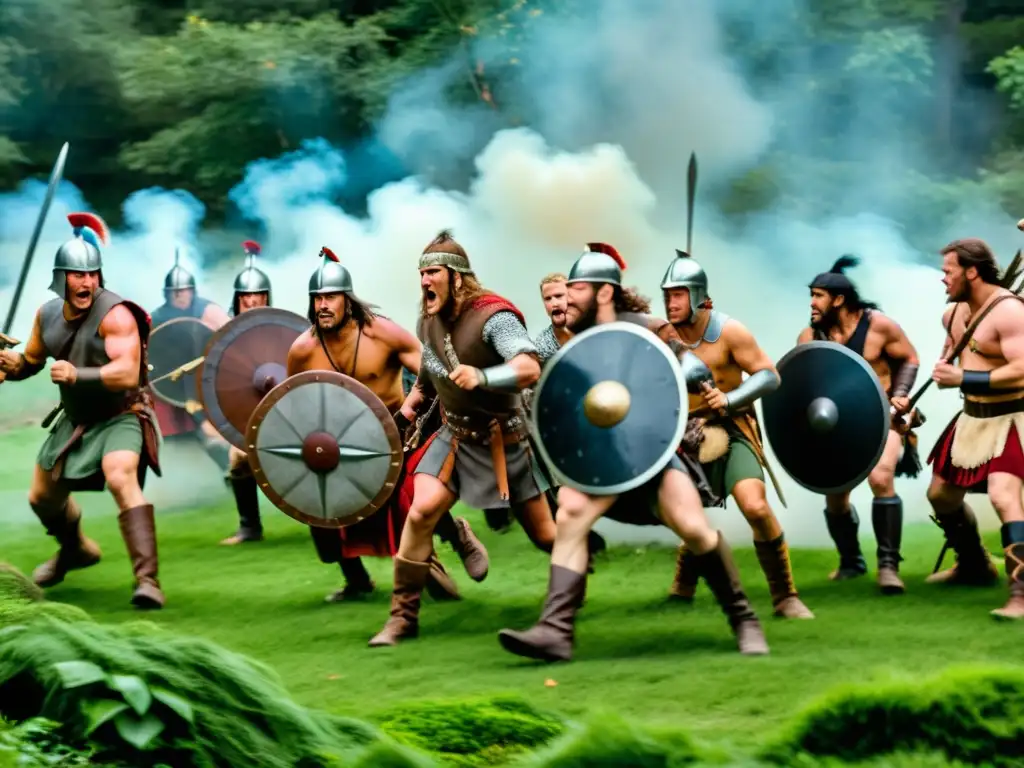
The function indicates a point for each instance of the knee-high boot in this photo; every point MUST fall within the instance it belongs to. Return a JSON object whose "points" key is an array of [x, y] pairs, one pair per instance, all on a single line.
{"points": [[247, 501], [138, 528], [973, 566], [684, 585], [1013, 549], [64, 523], [778, 571], [551, 638], [719, 571], [404, 621], [887, 520], [843, 528]]}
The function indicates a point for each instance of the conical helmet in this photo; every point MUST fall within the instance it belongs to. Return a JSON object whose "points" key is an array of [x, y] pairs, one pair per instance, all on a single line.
{"points": [[251, 279], [179, 278], [600, 263], [330, 276], [685, 272], [82, 252]]}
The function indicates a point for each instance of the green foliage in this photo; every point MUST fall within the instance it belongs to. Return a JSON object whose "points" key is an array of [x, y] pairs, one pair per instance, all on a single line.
{"points": [[38, 743], [21, 601], [14, 585], [973, 715], [474, 732], [1009, 70]]}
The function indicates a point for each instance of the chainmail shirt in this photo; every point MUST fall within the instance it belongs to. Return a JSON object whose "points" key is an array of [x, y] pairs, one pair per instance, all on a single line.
{"points": [[503, 331]]}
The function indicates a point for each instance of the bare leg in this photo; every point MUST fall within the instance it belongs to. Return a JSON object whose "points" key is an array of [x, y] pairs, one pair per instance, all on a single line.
{"points": [[1004, 490], [62, 518], [138, 526]]}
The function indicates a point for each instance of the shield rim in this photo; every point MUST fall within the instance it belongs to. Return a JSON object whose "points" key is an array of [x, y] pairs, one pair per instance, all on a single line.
{"points": [[206, 392], [360, 390], [198, 372], [684, 410], [886, 414]]}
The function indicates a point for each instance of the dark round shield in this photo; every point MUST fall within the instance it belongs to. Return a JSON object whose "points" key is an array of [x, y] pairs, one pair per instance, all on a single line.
{"points": [[828, 421], [172, 345], [324, 449], [610, 409], [246, 359]]}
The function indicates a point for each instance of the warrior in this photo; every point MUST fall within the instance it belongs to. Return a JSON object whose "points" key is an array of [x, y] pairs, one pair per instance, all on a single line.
{"points": [[181, 300], [839, 314], [477, 357], [731, 450], [251, 290], [671, 498], [348, 336], [981, 450], [105, 434], [553, 292]]}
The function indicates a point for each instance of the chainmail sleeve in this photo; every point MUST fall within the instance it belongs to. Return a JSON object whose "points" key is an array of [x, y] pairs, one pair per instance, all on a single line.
{"points": [[508, 336], [546, 344]]}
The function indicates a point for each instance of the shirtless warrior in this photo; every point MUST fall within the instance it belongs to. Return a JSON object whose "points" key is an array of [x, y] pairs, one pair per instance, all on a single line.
{"points": [[731, 450], [348, 337], [477, 357], [839, 314], [106, 434], [981, 449], [672, 498], [181, 300], [251, 290]]}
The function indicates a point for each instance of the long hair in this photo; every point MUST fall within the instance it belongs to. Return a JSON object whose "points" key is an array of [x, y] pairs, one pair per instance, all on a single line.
{"points": [[852, 300], [974, 252], [630, 300], [460, 297], [361, 311]]}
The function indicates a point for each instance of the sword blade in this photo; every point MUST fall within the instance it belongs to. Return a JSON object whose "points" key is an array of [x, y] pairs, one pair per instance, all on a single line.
{"points": [[691, 196], [51, 190]]}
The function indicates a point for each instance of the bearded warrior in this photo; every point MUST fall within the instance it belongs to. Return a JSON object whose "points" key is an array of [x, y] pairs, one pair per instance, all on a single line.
{"points": [[841, 315], [671, 498], [477, 357], [251, 290], [182, 300], [731, 450], [105, 433], [349, 337], [981, 450]]}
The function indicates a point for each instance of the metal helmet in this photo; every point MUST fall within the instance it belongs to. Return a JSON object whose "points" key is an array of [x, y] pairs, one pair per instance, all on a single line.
{"points": [[600, 263], [179, 278], [330, 276], [82, 252], [685, 272], [251, 279]]}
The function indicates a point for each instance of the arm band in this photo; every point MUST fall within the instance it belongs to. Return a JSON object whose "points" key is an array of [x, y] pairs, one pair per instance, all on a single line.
{"points": [[755, 386], [904, 380], [501, 377], [976, 382], [25, 370], [89, 378]]}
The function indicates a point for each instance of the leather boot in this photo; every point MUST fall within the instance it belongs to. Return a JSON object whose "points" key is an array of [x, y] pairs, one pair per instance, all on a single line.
{"points": [[404, 624], [551, 638], [719, 571], [470, 550], [595, 546], [75, 552], [774, 559], [684, 585], [887, 520], [138, 528], [358, 583], [1013, 547], [973, 566], [440, 585], [499, 520], [843, 528], [247, 501]]}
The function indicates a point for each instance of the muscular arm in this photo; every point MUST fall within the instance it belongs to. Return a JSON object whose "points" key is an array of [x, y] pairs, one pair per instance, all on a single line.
{"points": [[298, 354], [899, 349], [762, 377], [31, 361], [1008, 319], [509, 339], [806, 335], [214, 317], [947, 344], [402, 343], [120, 334]]}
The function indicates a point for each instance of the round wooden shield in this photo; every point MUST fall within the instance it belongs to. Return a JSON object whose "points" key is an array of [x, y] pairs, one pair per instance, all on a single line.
{"points": [[172, 345], [324, 449]]}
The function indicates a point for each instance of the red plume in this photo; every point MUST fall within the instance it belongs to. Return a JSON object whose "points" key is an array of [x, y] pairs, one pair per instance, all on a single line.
{"points": [[251, 246], [608, 251], [93, 222], [328, 253]]}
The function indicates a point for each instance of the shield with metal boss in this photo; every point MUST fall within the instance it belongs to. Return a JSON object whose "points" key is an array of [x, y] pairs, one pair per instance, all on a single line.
{"points": [[828, 422], [610, 409], [324, 449], [245, 359], [175, 360]]}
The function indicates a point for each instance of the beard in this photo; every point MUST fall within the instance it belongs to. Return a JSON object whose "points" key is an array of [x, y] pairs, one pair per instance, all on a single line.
{"points": [[962, 294], [587, 318], [827, 321]]}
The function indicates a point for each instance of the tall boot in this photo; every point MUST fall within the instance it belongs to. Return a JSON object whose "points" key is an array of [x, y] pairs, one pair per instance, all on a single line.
{"points": [[440, 585], [404, 621], [247, 501], [973, 566], [76, 550], [887, 520], [719, 571], [595, 546], [499, 520], [843, 528], [774, 559], [458, 533], [1013, 548], [358, 583], [684, 585], [138, 529], [551, 638]]}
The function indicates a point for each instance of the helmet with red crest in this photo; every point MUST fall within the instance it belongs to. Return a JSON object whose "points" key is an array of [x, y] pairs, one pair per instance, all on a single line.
{"points": [[600, 263], [82, 252], [330, 276], [251, 279]]}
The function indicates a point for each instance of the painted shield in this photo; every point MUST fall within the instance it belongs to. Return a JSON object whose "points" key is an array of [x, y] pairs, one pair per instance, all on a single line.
{"points": [[245, 359], [324, 449], [828, 421], [610, 409], [172, 345]]}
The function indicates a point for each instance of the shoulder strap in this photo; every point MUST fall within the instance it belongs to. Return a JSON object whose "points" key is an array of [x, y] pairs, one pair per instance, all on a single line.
{"points": [[973, 326]]}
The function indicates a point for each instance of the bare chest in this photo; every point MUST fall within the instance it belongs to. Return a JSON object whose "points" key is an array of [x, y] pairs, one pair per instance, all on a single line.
{"points": [[370, 362]]}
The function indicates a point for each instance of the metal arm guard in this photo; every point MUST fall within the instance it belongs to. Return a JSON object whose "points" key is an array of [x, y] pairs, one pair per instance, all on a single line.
{"points": [[904, 380], [25, 370], [500, 377], [755, 386]]}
